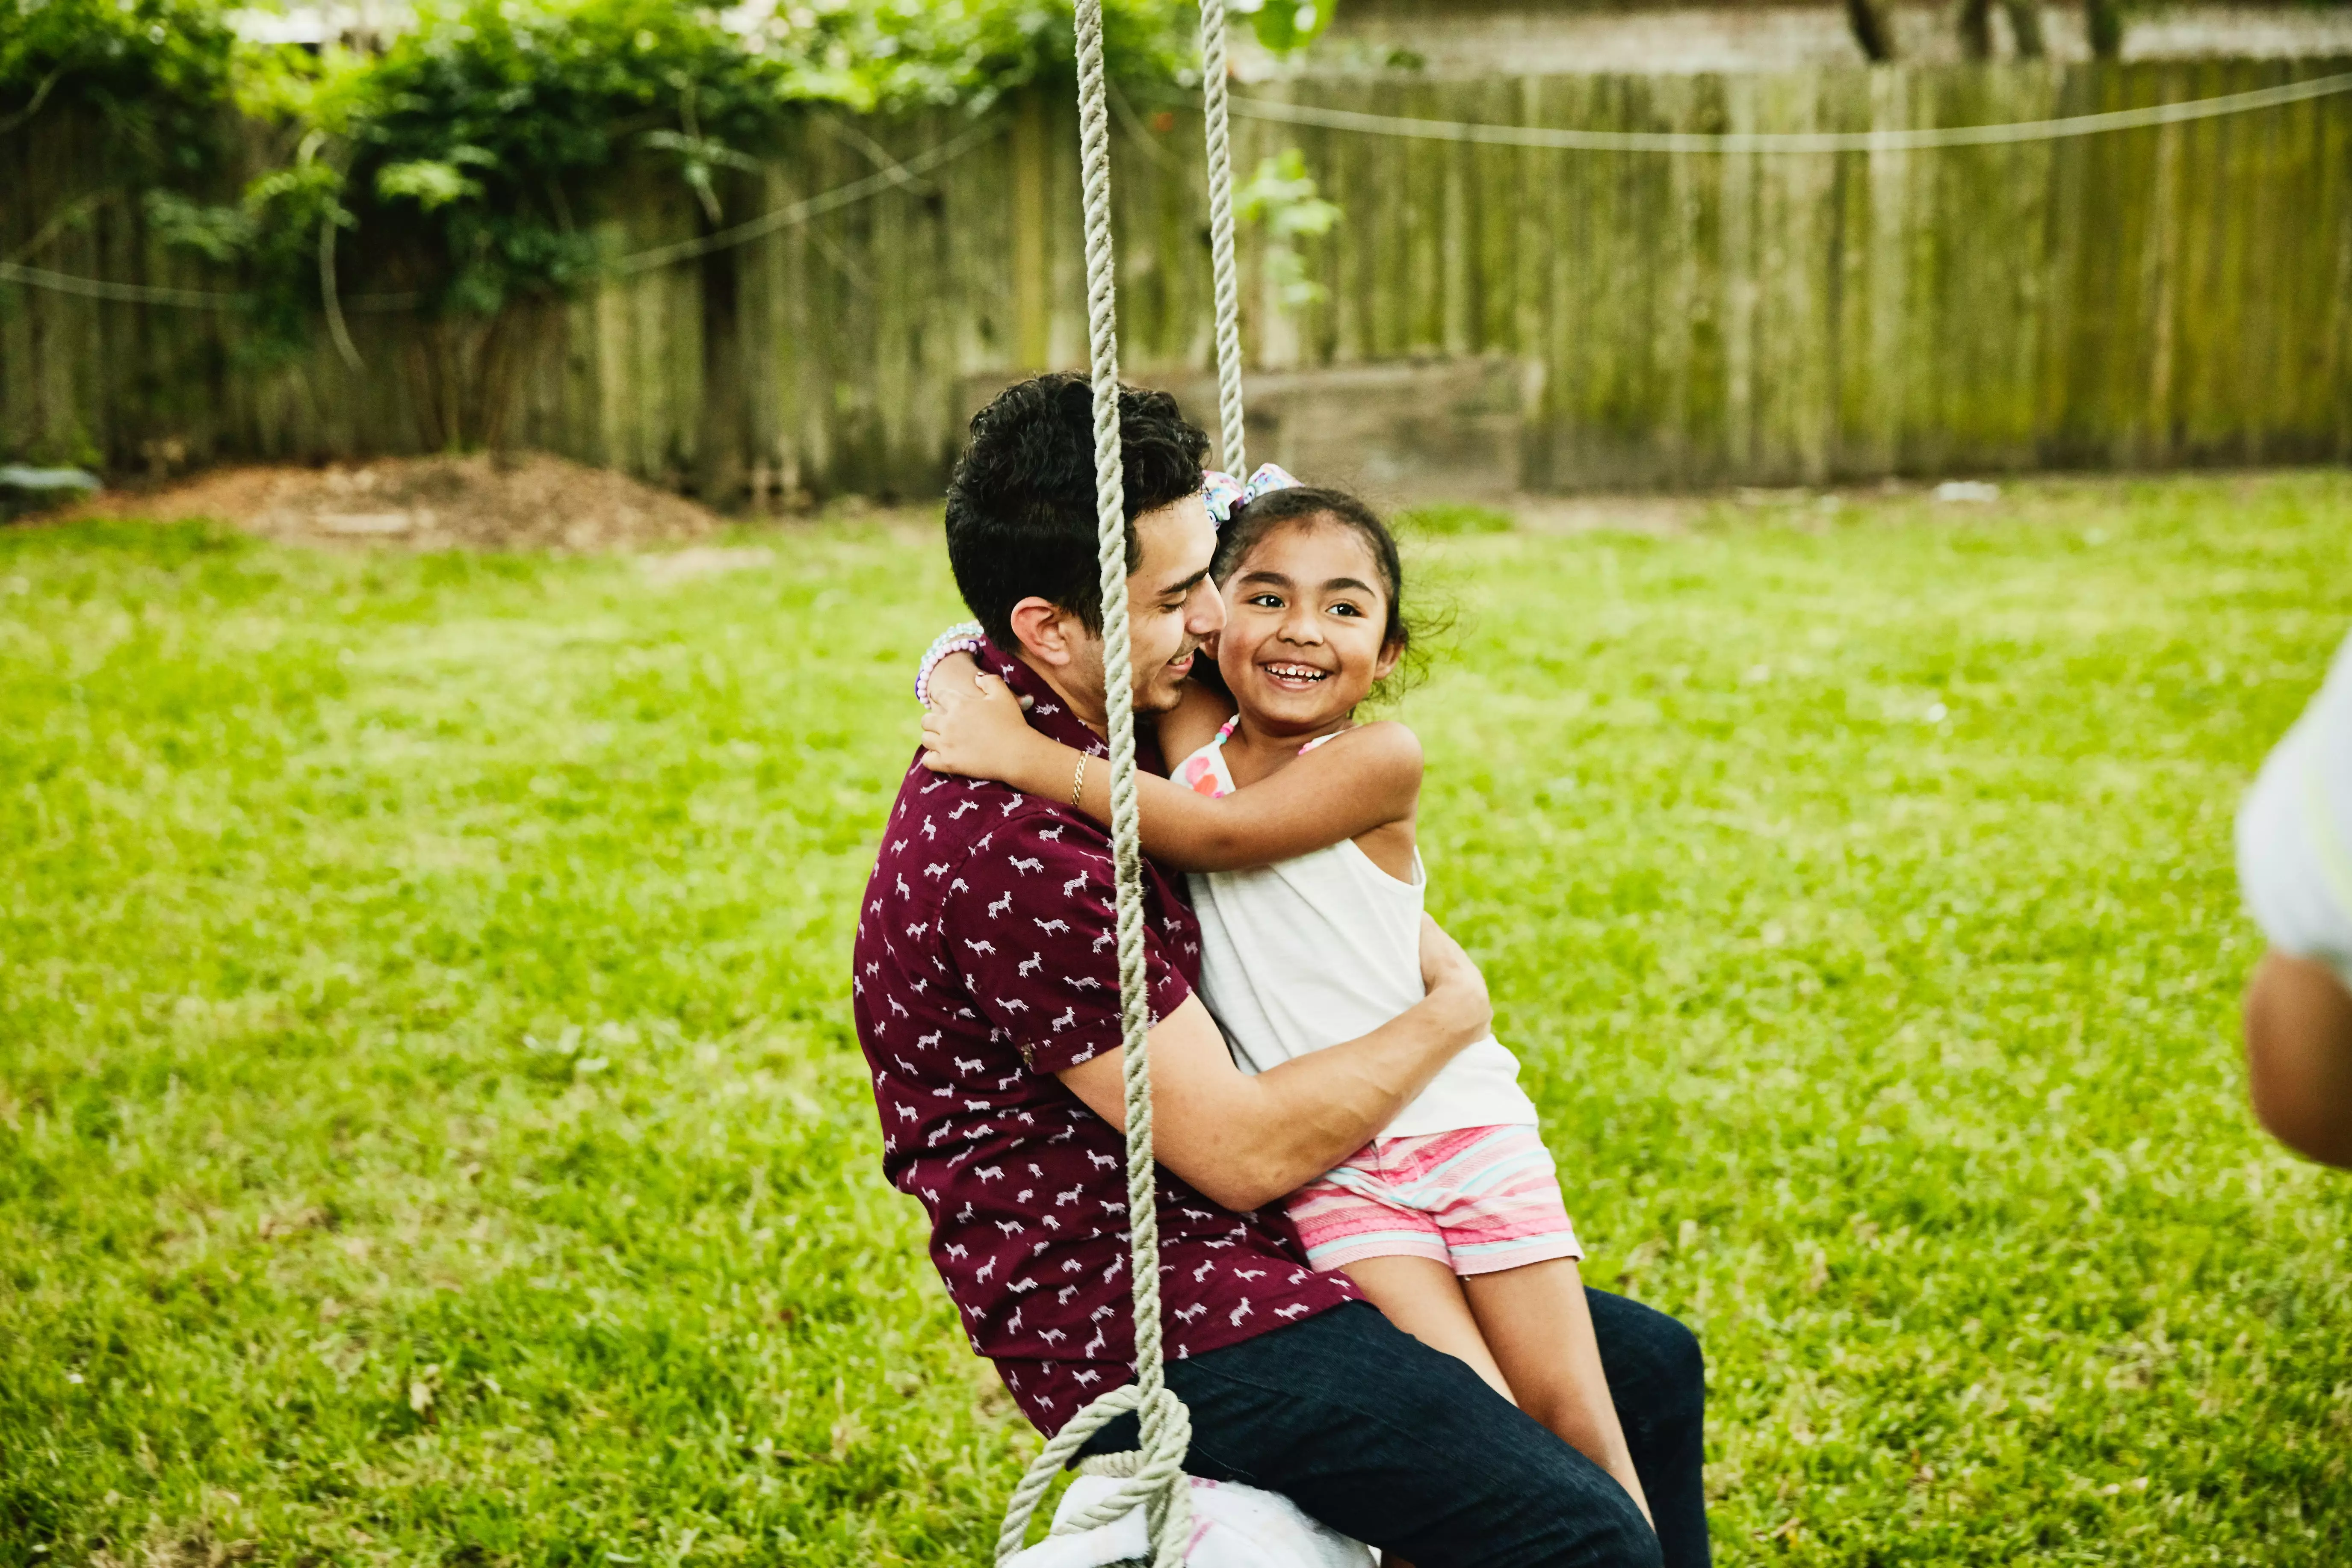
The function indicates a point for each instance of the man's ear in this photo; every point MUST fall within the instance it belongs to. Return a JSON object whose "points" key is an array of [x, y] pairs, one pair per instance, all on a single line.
{"points": [[1046, 632]]}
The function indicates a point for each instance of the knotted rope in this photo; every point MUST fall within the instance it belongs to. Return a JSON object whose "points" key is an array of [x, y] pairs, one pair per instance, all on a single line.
{"points": [[1153, 1476], [1221, 238]]}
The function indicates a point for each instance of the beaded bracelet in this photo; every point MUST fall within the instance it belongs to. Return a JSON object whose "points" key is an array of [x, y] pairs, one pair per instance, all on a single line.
{"points": [[962, 637]]}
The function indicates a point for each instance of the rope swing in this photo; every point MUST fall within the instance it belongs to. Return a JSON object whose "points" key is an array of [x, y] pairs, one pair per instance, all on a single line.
{"points": [[1151, 1477]]}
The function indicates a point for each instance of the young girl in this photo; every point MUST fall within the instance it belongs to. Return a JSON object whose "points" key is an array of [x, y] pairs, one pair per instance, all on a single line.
{"points": [[1296, 823]]}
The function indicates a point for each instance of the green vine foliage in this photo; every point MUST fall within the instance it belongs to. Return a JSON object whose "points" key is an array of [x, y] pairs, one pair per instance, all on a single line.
{"points": [[1281, 197], [454, 166], [1285, 26], [477, 139], [158, 73], [886, 55], [473, 143]]}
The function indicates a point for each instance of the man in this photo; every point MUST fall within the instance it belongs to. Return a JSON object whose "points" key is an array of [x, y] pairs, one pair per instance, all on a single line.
{"points": [[986, 999]]}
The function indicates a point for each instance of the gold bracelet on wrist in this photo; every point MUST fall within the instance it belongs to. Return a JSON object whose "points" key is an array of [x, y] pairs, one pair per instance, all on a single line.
{"points": [[1078, 782]]}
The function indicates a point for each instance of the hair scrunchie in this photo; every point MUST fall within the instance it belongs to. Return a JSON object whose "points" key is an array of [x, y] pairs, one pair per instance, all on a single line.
{"points": [[1225, 495]]}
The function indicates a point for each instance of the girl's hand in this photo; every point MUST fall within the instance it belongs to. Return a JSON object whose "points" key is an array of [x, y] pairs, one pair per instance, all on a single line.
{"points": [[958, 670], [975, 729]]}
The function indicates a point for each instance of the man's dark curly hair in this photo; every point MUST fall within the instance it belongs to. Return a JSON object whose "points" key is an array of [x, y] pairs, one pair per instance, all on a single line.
{"points": [[1021, 507]]}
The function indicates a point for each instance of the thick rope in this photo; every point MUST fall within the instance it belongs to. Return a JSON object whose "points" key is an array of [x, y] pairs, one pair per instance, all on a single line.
{"points": [[1158, 1483], [1221, 238]]}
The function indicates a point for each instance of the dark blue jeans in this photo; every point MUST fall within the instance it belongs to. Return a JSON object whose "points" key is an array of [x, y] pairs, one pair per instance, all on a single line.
{"points": [[1378, 1436]]}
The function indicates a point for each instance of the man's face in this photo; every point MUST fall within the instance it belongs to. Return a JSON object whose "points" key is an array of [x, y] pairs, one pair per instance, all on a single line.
{"points": [[1172, 604]]}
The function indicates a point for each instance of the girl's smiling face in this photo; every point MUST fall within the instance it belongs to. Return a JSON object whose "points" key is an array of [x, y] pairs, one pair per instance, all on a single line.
{"points": [[1305, 623]]}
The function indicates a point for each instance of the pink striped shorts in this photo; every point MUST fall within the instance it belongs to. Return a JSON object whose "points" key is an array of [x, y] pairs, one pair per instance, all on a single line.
{"points": [[1478, 1199]]}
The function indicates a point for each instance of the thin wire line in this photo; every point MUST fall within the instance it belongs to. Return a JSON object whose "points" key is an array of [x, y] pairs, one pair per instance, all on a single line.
{"points": [[801, 211], [72, 211], [127, 293], [1920, 140]]}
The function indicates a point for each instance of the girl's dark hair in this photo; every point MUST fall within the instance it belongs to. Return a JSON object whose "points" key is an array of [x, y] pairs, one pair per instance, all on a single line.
{"points": [[1253, 523]]}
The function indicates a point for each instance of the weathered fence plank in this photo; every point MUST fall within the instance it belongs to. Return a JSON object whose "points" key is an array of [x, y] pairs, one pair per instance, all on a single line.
{"points": [[2155, 297]]}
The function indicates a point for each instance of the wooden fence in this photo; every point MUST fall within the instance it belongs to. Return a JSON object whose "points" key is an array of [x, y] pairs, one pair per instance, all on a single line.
{"points": [[1494, 317]]}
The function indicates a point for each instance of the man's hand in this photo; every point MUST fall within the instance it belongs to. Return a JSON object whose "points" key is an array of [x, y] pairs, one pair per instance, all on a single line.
{"points": [[975, 729], [1246, 1141], [1451, 980]]}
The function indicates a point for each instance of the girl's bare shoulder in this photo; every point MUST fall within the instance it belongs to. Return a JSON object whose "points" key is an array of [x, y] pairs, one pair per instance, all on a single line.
{"points": [[1385, 745], [1193, 722], [1387, 737]]}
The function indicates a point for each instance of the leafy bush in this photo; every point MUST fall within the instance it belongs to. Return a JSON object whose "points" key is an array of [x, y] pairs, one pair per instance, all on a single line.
{"points": [[885, 55], [1282, 197], [472, 141], [461, 158], [1283, 26], [157, 72]]}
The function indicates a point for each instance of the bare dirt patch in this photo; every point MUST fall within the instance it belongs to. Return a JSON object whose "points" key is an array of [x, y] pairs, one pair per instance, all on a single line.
{"points": [[526, 501]]}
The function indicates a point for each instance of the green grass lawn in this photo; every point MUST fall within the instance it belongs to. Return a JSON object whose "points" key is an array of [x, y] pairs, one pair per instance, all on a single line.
{"points": [[431, 1130]]}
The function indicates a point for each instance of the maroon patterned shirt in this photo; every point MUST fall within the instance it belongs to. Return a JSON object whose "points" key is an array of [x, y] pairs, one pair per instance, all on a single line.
{"points": [[985, 963]]}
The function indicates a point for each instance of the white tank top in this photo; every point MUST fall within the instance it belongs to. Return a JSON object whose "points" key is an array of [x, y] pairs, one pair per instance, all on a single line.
{"points": [[1309, 952]]}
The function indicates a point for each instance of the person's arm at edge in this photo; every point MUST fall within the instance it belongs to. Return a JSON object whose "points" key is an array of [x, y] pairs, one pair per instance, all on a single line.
{"points": [[1369, 777], [1246, 1141], [2299, 1056]]}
